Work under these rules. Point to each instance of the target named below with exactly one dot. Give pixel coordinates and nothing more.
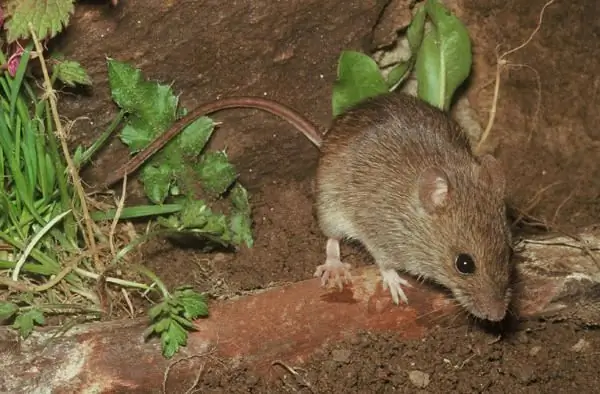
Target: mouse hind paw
(393, 282)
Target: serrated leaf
(239, 198)
(156, 310)
(156, 182)
(216, 173)
(217, 225)
(25, 322)
(416, 29)
(153, 103)
(185, 323)
(7, 310)
(48, 17)
(161, 325)
(358, 78)
(241, 227)
(135, 134)
(195, 214)
(444, 58)
(194, 304)
(172, 339)
(177, 333)
(169, 347)
(194, 137)
(72, 73)
(171, 222)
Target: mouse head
(473, 240)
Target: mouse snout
(493, 309)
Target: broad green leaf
(216, 173)
(358, 78)
(156, 182)
(195, 136)
(47, 17)
(416, 29)
(7, 310)
(444, 58)
(72, 73)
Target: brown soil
(289, 51)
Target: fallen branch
(290, 323)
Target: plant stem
(72, 169)
(100, 141)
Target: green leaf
(398, 74)
(72, 73)
(7, 310)
(137, 211)
(173, 338)
(194, 303)
(414, 33)
(136, 134)
(161, 325)
(444, 58)
(78, 156)
(216, 173)
(157, 309)
(358, 78)
(156, 181)
(25, 321)
(154, 104)
(195, 136)
(239, 198)
(47, 17)
(195, 214)
(241, 227)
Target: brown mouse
(398, 175)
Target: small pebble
(525, 374)
(341, 355)
(580, 346)
(535, 350)
(419, 379)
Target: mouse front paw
(334, 272)
(393, 282)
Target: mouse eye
(465, 263)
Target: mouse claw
(393, 282)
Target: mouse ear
(492, 175)
(434, 189)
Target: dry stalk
(49, 92)
(500, 64)
(115, 222)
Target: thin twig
(70, 165)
